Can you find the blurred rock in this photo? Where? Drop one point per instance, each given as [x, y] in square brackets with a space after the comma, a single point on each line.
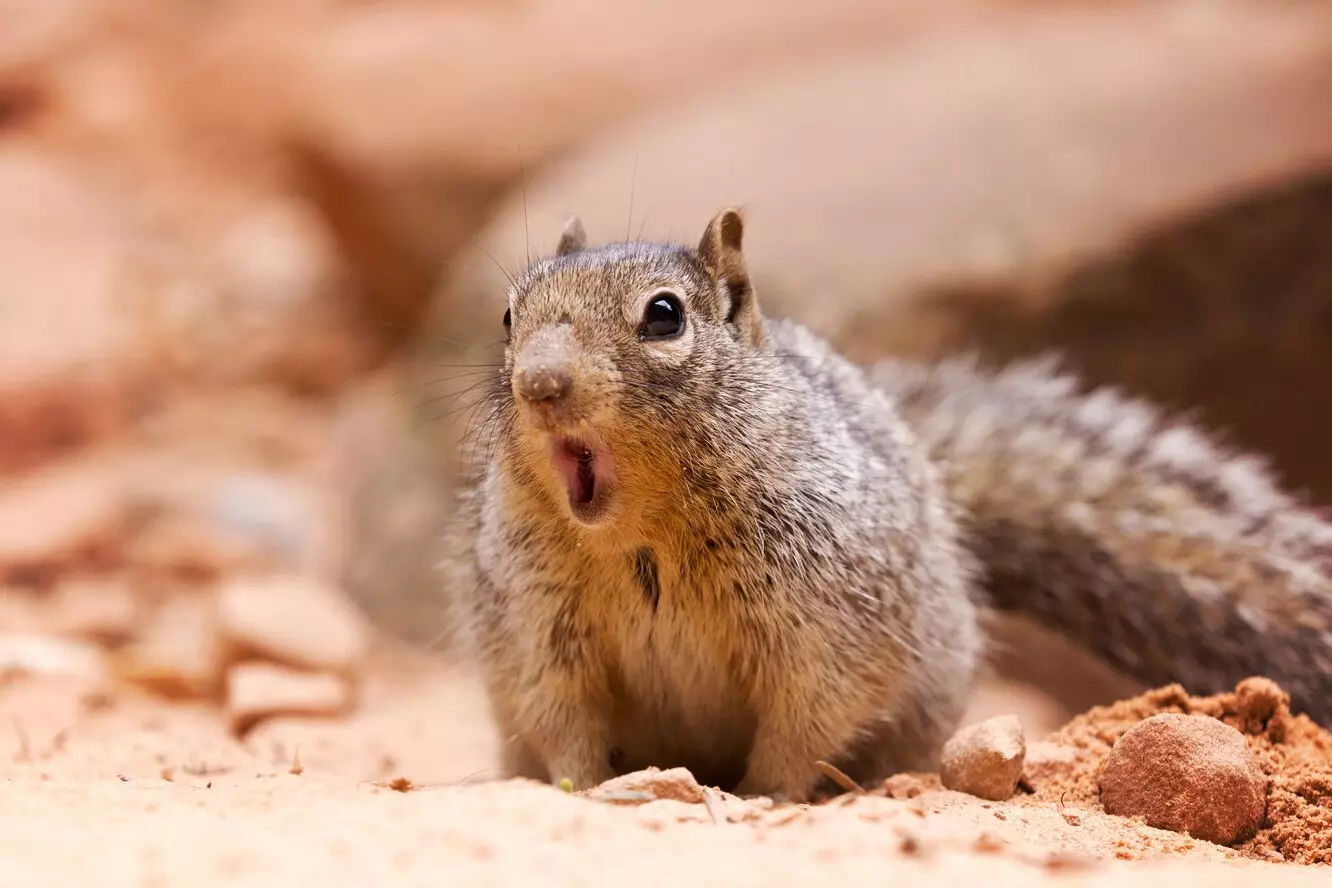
[258, 691]
[177, 651]
[292, 620]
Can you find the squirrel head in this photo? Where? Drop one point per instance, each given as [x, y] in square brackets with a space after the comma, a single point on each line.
[611, 349]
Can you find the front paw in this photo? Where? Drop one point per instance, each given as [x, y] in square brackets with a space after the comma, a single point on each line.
[577, 776]
[752, 791]
[572, 784]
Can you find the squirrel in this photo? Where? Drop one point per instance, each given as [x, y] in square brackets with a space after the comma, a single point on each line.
[699, 537]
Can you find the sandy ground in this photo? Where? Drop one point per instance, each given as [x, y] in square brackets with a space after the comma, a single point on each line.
[106, 786]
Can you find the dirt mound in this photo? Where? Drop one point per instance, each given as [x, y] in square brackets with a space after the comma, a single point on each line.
[1295, 753]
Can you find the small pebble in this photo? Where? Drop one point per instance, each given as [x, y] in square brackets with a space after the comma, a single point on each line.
[258, 691]
[1191, 774]
[677, 784]
[1263, 707]
[903, 786]
[985, 760]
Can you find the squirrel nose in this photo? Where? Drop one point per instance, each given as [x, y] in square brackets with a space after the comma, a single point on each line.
[544, 381]
[544, 371]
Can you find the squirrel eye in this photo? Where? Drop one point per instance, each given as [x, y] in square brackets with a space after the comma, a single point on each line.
[663, 318]
[508, 318]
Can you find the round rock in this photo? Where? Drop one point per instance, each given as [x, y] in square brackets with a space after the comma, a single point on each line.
[985, 760]
[1191, 774]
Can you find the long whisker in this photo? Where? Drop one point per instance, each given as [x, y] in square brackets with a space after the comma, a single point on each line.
[411, 329]
[446, 414]
[508, 276]
[633, 182]
[466, 375]
[493, 430]
[448, 396]
[527, 234]
[468, 379]
[494, 402]
[488, 389]
[495, 366]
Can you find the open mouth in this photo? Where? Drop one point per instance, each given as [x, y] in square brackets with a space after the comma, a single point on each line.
[585, 468]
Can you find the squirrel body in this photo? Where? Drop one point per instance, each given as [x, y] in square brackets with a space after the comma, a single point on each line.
[700, 537]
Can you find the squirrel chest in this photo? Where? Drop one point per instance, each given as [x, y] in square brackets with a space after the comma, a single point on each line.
[675, 659]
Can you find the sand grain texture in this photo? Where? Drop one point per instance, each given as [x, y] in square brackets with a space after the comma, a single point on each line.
[105, 785]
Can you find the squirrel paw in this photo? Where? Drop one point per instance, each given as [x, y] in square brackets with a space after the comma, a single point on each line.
[750, 791]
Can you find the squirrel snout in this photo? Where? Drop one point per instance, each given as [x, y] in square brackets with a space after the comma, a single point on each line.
[544, 381]
[544, 370]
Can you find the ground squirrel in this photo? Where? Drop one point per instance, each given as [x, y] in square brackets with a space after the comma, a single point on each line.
[700, 537]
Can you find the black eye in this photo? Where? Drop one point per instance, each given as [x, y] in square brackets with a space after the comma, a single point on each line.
[508, 318]
[663, 318]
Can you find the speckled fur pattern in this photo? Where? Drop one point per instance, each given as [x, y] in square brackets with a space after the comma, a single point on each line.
[781, 581]
[790, 569]
[1169, 554]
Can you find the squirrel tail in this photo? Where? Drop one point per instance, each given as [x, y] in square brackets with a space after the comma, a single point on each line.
[1141, 537]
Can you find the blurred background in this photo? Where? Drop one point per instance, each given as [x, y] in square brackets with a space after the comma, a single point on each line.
[252, 257]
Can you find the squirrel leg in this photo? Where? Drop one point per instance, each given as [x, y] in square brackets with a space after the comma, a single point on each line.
[548, 691]
[566, 734]
[800, 726]
[517, 758]
[562, 720]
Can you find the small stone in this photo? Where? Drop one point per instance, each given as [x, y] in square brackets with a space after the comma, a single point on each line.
[904, 786]
[259, 691]
[1263, 707]
[296, 621]
[651, 784]
[985, 760]
[1191, 774]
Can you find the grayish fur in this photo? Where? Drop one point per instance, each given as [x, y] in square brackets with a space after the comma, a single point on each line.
[811, 529]
[1165, 552]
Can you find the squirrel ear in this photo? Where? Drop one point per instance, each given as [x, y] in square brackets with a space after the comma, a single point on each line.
[721, 251]
[573, 238]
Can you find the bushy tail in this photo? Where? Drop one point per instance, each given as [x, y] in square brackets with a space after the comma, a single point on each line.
[1134, 533]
